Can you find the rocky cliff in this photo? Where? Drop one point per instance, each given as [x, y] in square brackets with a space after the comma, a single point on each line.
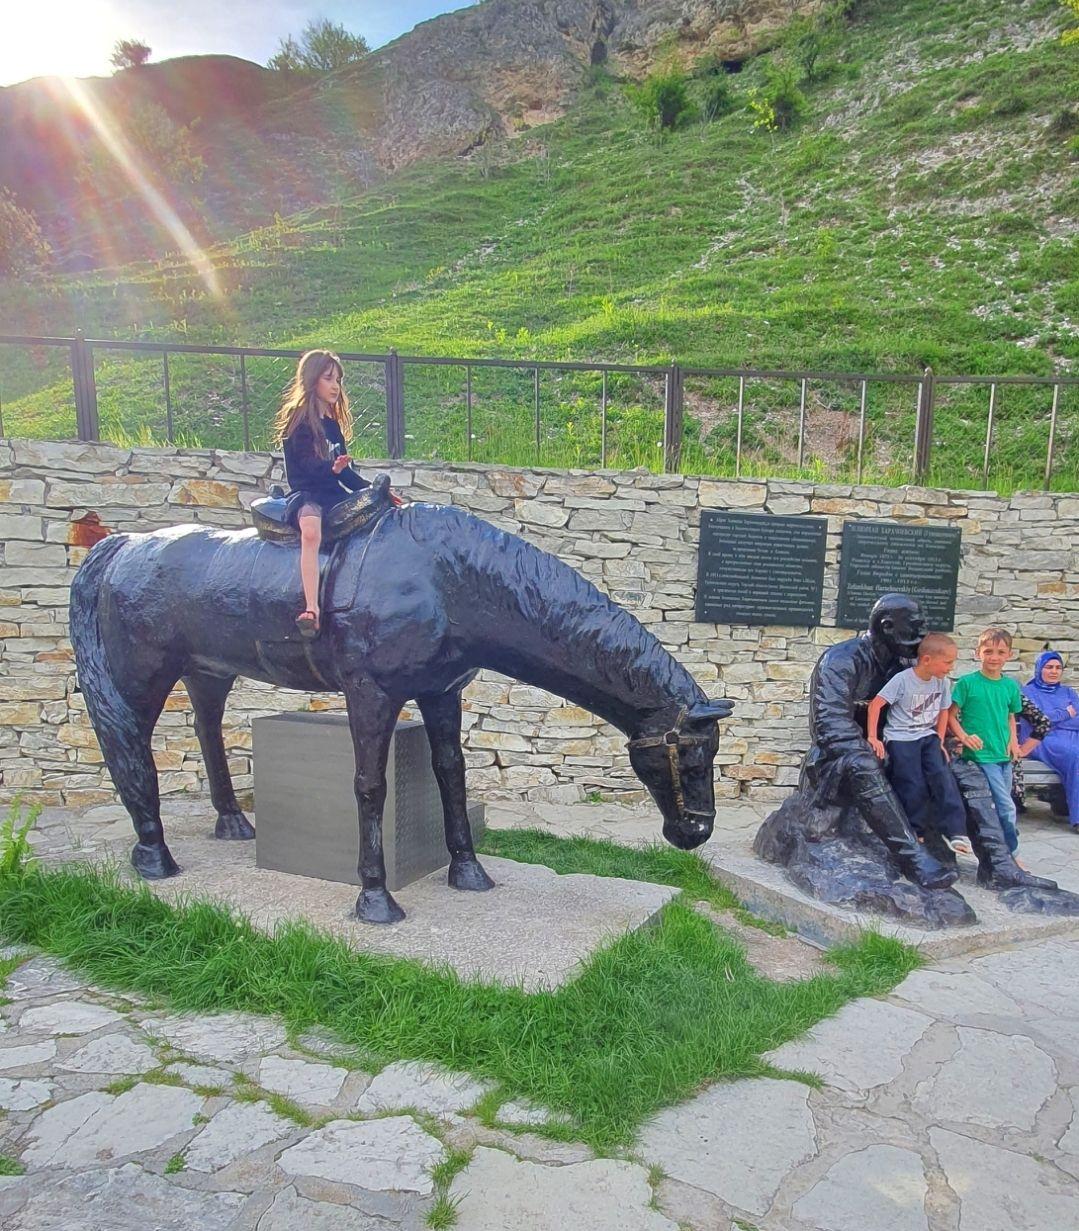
[504, 65]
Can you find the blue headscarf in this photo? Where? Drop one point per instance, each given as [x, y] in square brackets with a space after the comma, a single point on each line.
[1036, 681]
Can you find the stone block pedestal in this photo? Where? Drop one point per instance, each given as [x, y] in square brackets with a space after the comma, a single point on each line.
[306, 805]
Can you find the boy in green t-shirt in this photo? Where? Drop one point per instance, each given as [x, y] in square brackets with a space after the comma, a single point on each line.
[987, 702]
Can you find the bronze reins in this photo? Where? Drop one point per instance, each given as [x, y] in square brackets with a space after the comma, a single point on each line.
[673, 739]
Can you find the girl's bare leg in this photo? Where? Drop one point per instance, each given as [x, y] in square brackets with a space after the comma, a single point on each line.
[310, 540]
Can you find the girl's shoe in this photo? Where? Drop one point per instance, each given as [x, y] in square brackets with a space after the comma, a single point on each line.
[959, 846]
[307, 623]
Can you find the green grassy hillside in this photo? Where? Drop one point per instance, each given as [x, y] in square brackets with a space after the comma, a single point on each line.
[923, 213]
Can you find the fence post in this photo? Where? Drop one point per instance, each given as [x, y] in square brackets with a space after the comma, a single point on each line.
[82, 378]
[395, 406]
[923, 431]
[672, 420]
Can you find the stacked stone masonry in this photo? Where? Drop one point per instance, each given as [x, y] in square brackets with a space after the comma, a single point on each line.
[634, 534]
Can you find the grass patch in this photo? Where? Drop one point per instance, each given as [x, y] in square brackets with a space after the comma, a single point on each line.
[175, 1164]
[455, 1161]
[159, 1077]
[443, 1213]
[11, 1166]
[122, 1084]
[650, 1019]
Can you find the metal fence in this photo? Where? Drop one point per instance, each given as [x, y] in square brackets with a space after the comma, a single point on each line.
[893, 426]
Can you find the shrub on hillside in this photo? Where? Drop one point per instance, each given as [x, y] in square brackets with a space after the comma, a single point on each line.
[167, 151]
[322, 47]
[23, 249]
[812, 43]
[779, 103]
[715, 96]
[662, 98]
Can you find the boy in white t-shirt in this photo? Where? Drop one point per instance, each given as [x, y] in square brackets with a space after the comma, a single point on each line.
[919, 699]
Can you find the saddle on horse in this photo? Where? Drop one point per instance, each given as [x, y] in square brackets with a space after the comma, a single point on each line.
[273, 514]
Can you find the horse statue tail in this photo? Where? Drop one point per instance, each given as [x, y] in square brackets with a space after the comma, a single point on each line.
[111, 715]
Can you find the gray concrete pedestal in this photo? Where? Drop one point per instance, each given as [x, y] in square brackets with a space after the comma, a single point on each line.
[306, 806]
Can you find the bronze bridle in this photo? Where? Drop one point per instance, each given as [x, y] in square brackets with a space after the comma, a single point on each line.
[674, 739]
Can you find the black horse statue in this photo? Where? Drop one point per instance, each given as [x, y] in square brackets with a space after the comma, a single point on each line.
[411, 609]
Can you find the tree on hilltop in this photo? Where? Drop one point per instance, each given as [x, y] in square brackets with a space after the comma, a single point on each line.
[129, 53]
[322, 47]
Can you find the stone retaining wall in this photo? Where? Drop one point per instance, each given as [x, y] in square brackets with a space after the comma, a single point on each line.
[632, 533]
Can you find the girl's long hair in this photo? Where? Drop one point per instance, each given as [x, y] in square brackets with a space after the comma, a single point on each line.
[301, 407]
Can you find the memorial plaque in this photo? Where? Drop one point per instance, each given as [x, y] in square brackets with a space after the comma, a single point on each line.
[886, 557]
[756, 568]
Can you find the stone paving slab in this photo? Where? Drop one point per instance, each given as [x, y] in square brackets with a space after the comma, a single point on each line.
[424, 1087]
[111, 1053]
[108, 1200]
[861, 1047]
[879, 1187]
[67, 1017]
[496, 1192]
[737, 1140]
[233, 1132]
[224, 1038]
[303, 1081]
[92, 1127]
[388, 1155]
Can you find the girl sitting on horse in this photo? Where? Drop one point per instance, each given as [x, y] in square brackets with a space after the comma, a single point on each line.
[314, 426]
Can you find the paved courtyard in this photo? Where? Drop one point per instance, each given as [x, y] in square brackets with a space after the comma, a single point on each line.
[950, 1105]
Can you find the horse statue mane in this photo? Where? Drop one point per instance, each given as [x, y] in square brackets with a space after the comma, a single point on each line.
[412, 609]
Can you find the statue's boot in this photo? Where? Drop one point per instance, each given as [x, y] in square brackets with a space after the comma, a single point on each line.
[997, 868]
[884, 816]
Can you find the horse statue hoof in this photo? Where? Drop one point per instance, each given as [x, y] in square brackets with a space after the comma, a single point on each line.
[468, 874]
[378, 906]
[154, 863]
[233, 826]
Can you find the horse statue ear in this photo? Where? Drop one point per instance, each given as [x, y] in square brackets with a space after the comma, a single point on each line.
[704, 712]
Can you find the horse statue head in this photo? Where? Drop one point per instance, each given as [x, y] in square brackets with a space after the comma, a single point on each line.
[676, 767]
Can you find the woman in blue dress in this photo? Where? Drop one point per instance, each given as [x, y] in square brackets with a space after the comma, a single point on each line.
[1060, 747]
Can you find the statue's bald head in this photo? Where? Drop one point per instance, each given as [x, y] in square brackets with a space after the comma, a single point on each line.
[898, 621]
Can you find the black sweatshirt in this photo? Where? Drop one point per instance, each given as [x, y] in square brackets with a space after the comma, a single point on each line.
[313, 474]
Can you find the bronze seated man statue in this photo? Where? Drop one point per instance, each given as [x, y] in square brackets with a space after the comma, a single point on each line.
[843, 835]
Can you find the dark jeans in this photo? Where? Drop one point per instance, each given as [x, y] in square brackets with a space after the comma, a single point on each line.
[926, 786]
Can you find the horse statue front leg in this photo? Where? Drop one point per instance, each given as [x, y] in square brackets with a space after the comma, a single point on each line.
[372, 716]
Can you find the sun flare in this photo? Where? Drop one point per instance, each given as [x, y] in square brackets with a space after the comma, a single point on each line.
[59, 38]
[129, 164]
